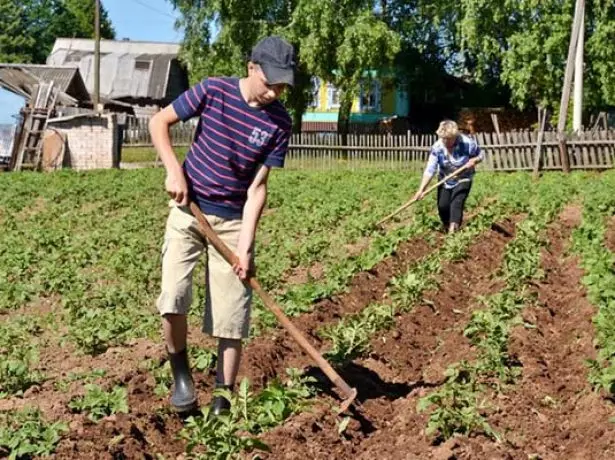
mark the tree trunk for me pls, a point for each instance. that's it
(343, 120)
(299, 97)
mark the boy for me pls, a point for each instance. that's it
(243, 131)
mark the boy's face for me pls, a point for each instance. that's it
(264, 92)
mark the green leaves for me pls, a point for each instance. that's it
(99, 403)
(25, 434)
(336, 41)
(526, 42)
(598, 262)
(228, 435)
(18, 356)
(457, 405)
(351, 336)
(29, 28)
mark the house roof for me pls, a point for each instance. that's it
(128, 70)
(116, 46)
(67, 79)
(21, 78)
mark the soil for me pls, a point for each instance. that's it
(549, 413)
(406, 362)
(149, 428)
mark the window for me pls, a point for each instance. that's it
(315, 101)
(333, 97)
(142, 65)
(369, 99)
(74, 56)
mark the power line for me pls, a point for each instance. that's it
(235, 21)
(156, 10)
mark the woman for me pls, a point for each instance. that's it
(452, 151)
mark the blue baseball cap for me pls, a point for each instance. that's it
(277, 59)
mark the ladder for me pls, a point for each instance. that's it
(36, 115)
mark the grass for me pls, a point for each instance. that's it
(146, 154)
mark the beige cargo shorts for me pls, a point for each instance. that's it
(228, 300)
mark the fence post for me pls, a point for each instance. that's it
(542, 119)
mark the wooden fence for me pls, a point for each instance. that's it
(507, 151)
(135, 132)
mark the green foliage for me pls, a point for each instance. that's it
(598, 262)
(81, 17)
(457, 405)
(336, 41)
(24, 434)
(18, 355)
(522, 257)
(99, 403)
(98, 249)
(351, 336)
(14, 44)
(489, 330)
(84, 377)
(228, 435)
(29, 28)
(526, 42)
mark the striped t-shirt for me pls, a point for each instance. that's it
(445, 164)
(231, 141)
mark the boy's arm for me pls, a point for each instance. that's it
(187, 105)
(175, 182)
(257, 196)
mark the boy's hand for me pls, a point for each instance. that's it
(243, 267)
(177, 188)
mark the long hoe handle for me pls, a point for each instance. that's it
(430, 189)
(348, 393)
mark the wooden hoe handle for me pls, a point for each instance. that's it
(346, 391)
(412, 200)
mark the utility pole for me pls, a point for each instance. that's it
(577, 120)
(563, 108)
(96, 55)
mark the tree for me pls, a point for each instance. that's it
(14, 43)
(81, 14)
(29, 28)
(526, 41)
(341, 42)
(337, 41)
(239, 26)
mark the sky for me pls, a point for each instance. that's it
(145, 20)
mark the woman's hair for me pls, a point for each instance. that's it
(448, 129)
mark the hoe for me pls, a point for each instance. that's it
(411, 201)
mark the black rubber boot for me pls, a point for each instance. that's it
(219, 404)
(183, 398)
